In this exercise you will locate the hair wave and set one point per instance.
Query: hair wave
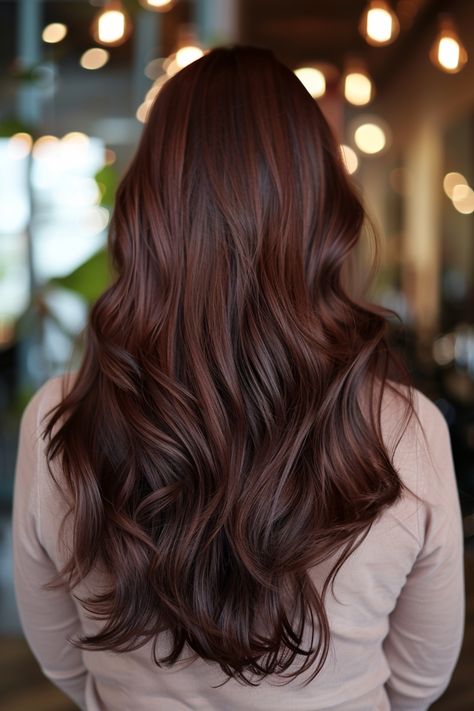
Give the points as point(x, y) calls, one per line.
point(216, 443)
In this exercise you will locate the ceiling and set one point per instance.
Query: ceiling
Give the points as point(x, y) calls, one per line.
point(303, 31)
point(298, 31)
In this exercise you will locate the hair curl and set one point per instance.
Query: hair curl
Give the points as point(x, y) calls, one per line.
point(215, 442)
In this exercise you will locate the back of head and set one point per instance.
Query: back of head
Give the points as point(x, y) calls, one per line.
point(237, 186)
point(215, 441)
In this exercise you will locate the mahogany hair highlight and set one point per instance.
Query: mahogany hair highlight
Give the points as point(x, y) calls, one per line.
point(216, 443)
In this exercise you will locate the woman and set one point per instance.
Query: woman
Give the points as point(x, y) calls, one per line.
point(231, 505)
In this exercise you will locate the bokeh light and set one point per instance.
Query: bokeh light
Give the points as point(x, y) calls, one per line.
point(358, 88)
point(451, 180)
point(370, 138)
point(349, 157)
point(94, 58)
point(379, 24)
point(188, 54)
point(19, 145)
point(54, 32)
point(313, 80)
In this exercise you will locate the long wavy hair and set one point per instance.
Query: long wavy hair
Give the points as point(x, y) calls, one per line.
point(223, 434)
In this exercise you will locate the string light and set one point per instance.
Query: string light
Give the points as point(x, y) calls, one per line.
point(187, 54)
point(170, 65)
point(370, 138)
point(313, 80)
point(379, 24)
point(451, 180)
point(358, 87)
point(447, 52)
point(154, 68)
point(112, 26)
point(94, 58)
point(188, 50)
point(156, 87)
point(142, 111)
point(158, 5)
point(349, 157)
point(463, 199)
point(460, 192)
point(54, 32)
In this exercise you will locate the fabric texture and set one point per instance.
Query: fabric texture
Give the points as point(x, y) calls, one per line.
point(396, 616)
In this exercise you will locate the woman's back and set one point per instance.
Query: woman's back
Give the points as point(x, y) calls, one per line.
point(396, 616)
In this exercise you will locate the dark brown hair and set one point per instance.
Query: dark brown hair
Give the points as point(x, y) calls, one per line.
point(215, 444)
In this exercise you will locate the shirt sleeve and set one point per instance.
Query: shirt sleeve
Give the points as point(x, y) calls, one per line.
point(49, 617)
point(427, 624)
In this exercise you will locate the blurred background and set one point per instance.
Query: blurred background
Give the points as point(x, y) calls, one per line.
point(396, 82)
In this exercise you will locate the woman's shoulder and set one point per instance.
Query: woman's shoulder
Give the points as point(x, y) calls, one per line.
point(47, 396)
point(34, 471)
point(427, 421)
point(422, 447)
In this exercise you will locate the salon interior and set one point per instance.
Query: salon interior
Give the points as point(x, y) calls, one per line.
point(394, 79)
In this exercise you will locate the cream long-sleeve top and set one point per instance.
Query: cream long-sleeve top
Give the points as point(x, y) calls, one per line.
point(396, 616)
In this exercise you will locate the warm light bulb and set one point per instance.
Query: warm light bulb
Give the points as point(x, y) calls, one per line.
point(155, 88)
point(54, 32)
point(379, 24)
point(463, 199)
point(461, 192)
point(447, 53)
point(143, 110)
point(154, 68)
point(451, 180)
point(313, 80)
point(171, 66)
point(112, 26)
point(94, 58)
point(358, 88)
point(186, 55)
point(349, 157)
point(370, 138)
point(160, 5)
